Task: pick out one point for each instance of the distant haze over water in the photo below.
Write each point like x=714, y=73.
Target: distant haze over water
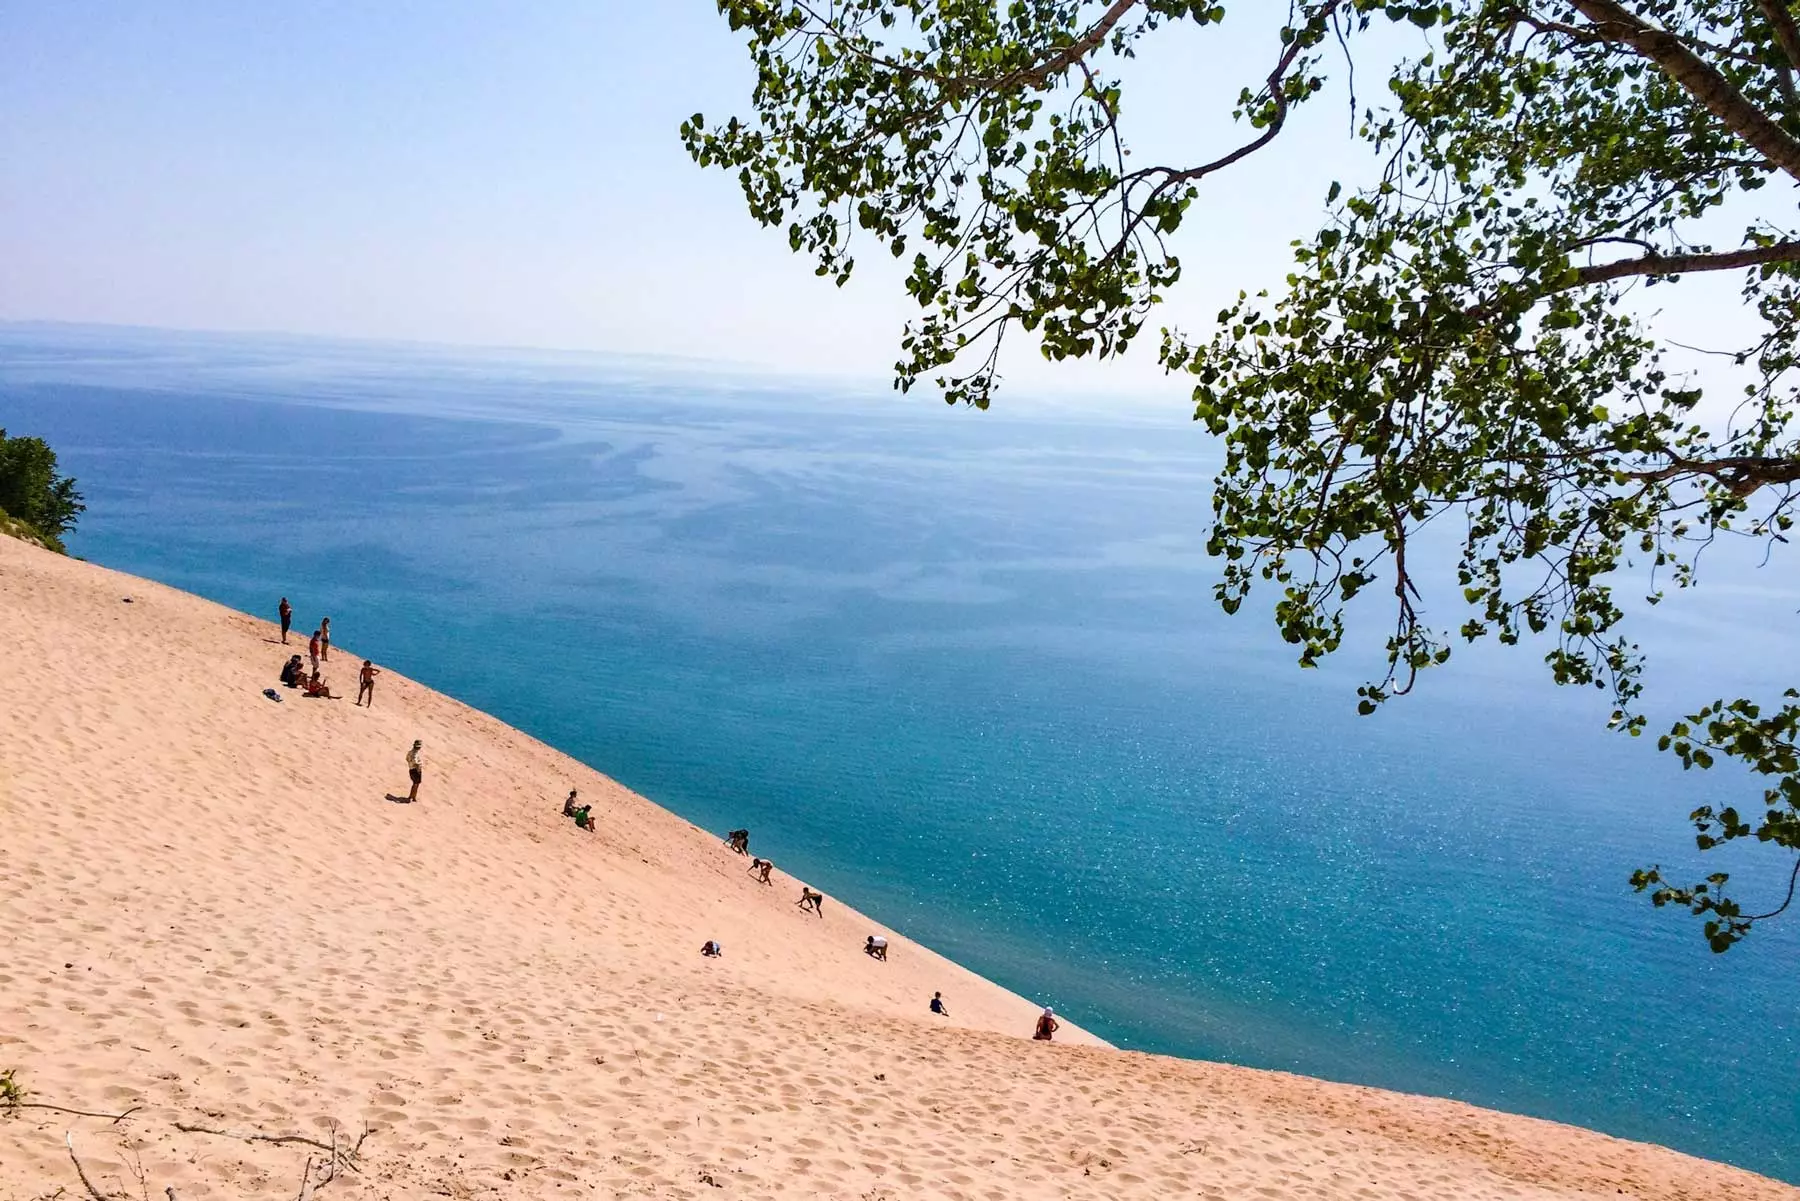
x=964, y=671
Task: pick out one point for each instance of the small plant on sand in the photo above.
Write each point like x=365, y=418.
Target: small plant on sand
x=12, y=1093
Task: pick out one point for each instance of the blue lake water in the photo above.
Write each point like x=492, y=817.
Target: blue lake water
x=963, y=671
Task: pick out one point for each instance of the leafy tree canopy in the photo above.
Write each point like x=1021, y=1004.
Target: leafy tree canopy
x=32, y=491
x=1454, y=344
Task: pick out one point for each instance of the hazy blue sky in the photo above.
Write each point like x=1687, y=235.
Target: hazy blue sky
x=477, y=173
x=510, y=174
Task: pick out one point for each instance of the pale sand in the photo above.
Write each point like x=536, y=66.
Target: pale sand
x=208, y=909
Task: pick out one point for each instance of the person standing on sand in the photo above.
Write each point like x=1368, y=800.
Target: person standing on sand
x=366, y=683
x=1047, y=1026
x=287, y=617
x=415, y=769
x=312, y=650
x=325, y=639
x=937, y=1005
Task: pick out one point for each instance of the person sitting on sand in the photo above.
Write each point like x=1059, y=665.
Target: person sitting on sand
x=293, y=671
x=1046, y=1025
x=584, y=819
x=365, y=683
x=760, y=868
x=316, y=687
x=876, y=947
x=569, y=804
x=812, y=900
x=937, y=1005
x=711, y=949
x=739, y=841
x=415, y=769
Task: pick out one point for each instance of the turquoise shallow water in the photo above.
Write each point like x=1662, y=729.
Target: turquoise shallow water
x=961, y=670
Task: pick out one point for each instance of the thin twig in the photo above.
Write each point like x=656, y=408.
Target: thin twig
x=83, y=1113
x=96, y=1194
x=346, y=1154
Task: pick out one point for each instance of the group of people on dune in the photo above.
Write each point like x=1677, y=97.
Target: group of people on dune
x=875, y=946
x=294, y=674
x=311, y=683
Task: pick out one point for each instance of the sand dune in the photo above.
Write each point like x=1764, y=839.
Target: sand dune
x=209, y=911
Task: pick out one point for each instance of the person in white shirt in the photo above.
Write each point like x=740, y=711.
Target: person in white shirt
x=415, y=768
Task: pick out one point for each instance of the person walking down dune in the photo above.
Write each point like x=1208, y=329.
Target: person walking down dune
x=415, y=769
x=365, y=683
x=760, y=868
x=1046, y=1026
x=325, y=639
x=810, y=899
x=937, y=1005
x=287, y=617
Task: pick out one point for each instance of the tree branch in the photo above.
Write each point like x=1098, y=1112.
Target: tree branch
x=1678, y=264
x=1078, y=49
x=1740, y=474
x=1787, y=34
x=1173, y=177
x=1699, y=78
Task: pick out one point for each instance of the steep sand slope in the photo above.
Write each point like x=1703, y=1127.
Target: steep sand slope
x=209, y=909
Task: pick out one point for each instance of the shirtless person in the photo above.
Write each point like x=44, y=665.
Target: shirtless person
x=809, y=899
x=365, y=685
x=287, y=617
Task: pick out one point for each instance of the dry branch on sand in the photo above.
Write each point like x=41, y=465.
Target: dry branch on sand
x=316, y=1172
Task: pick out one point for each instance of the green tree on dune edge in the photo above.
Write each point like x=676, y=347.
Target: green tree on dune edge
x=1451, y=346
x=34, y=494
